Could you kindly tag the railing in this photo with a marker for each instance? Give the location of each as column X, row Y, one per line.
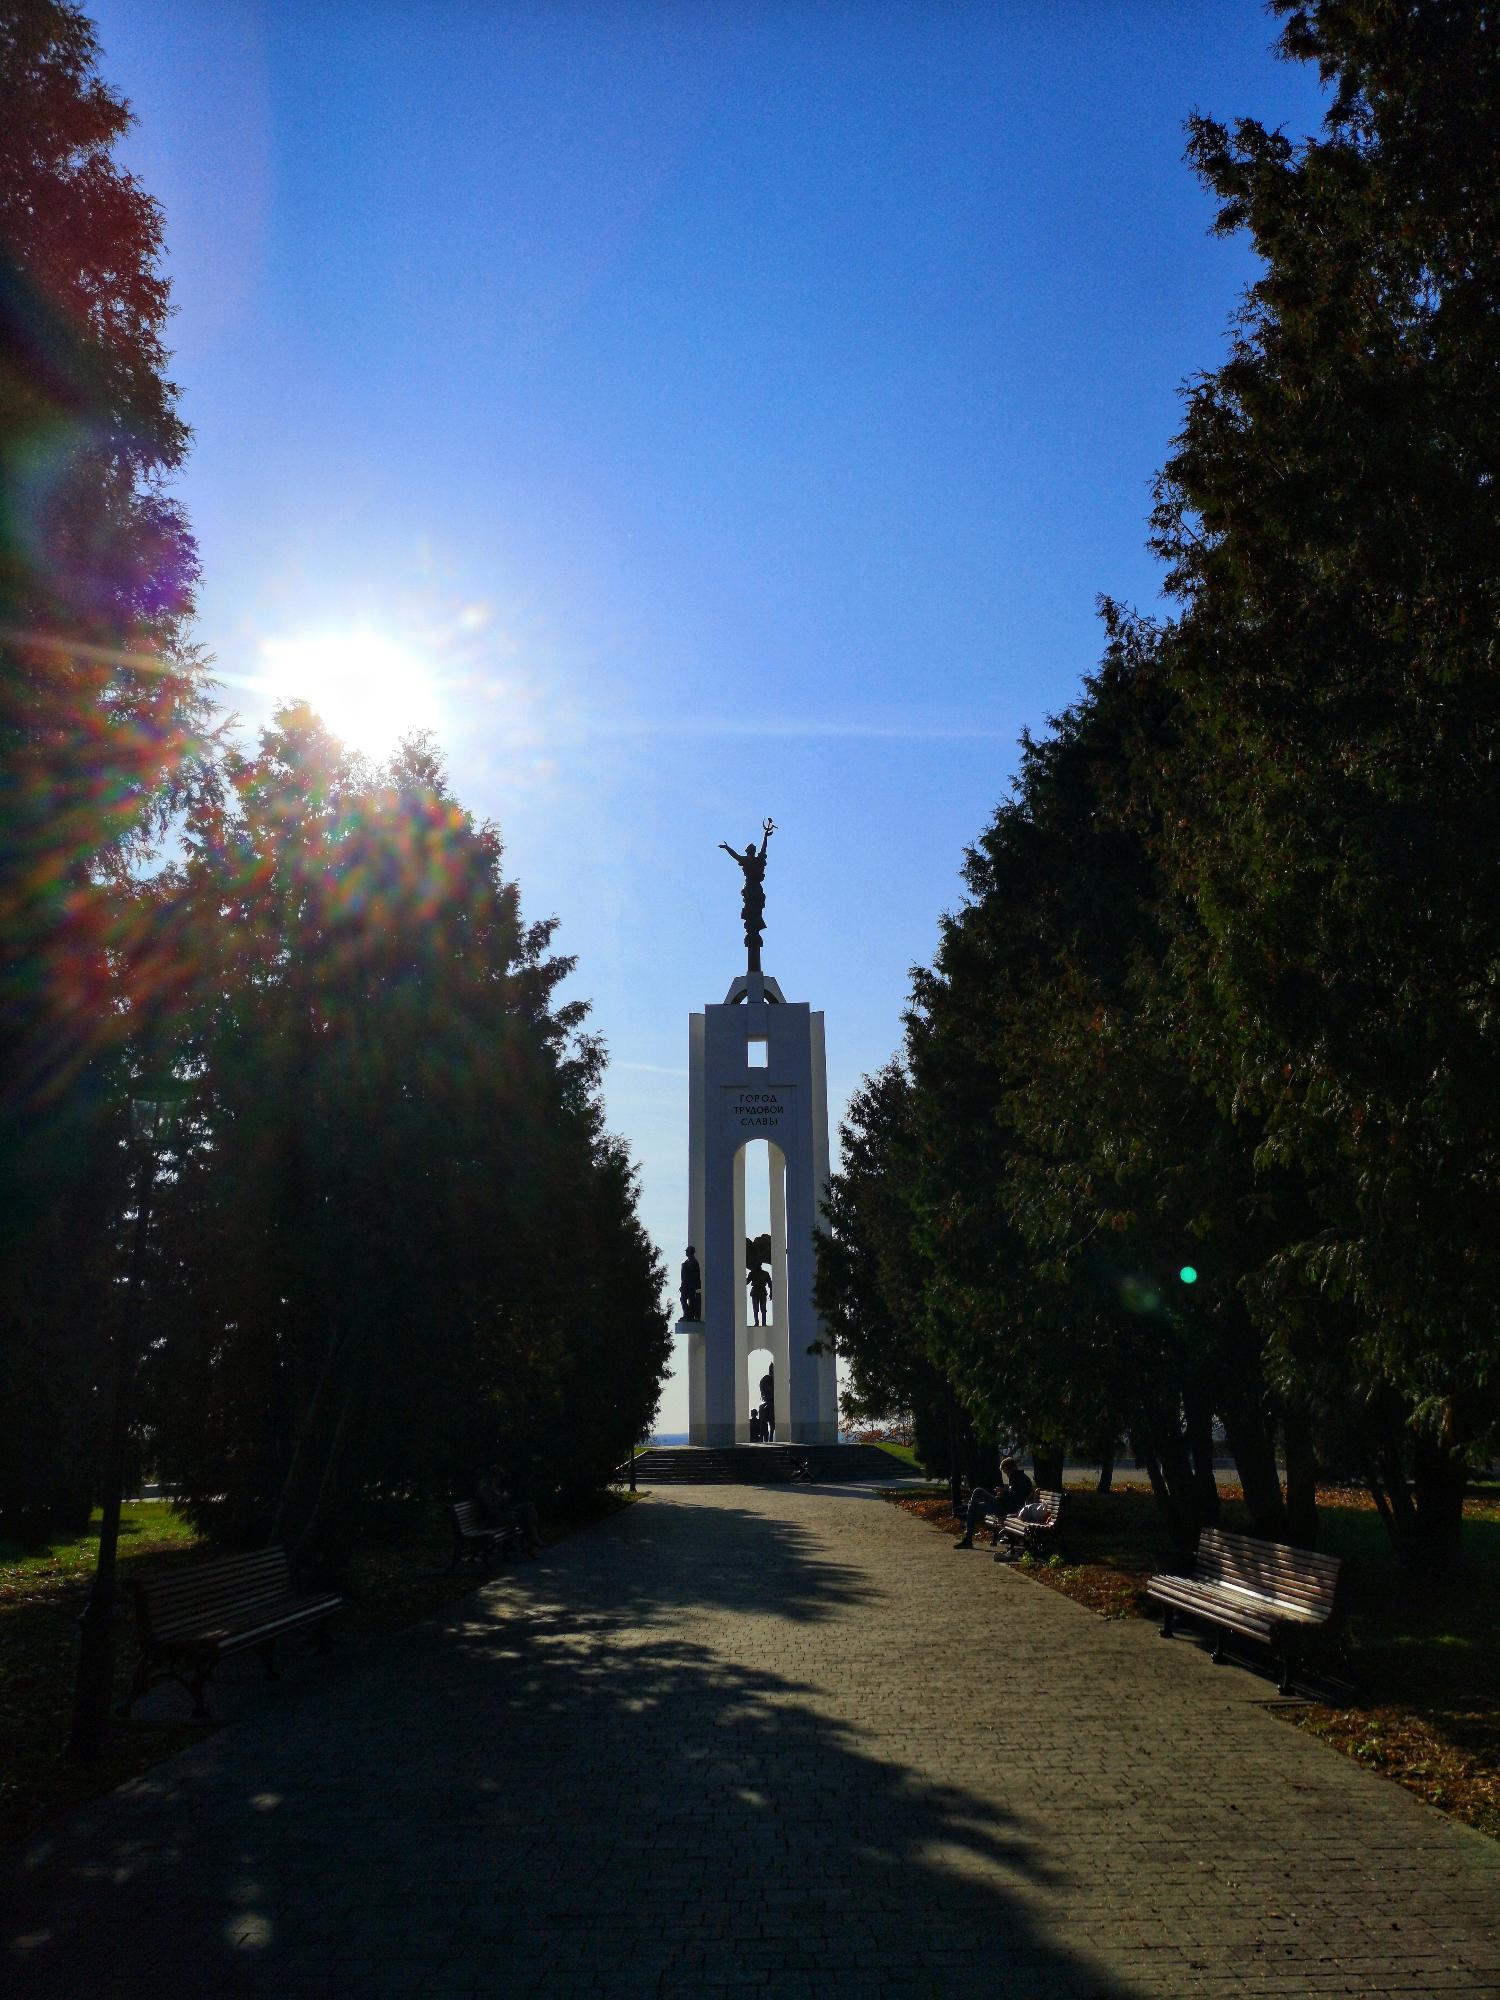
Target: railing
column 625, row 1470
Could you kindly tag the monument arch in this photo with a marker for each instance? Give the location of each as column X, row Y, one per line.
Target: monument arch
column 757, row 1070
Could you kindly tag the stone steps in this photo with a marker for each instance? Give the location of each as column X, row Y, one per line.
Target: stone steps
column 763, row 1464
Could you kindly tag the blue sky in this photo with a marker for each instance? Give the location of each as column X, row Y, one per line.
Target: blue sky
column 696, row 412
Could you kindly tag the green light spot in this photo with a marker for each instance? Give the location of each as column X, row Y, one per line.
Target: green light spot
column 1188, row 1275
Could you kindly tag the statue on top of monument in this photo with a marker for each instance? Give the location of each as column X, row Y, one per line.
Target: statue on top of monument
column 753, row 904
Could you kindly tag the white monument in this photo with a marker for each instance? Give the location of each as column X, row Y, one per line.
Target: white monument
column 756, row 1070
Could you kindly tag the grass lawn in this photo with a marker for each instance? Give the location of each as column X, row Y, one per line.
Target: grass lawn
column 1422, row 1651
column 41, row 1596
column 907, row 1453
column 403, row 1579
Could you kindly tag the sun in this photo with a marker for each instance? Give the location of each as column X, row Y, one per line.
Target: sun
column 368, row 687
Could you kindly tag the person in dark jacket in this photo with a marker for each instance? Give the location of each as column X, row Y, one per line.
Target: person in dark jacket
column 1015, row 1490
column 501, row 1509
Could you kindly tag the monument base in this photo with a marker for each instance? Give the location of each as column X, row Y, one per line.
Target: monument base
column 813, row 1433
column 792, row 1434
column 711, row 1434
column 710, row 1383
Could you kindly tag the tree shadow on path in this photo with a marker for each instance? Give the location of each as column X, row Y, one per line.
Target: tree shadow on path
column 573, row 1785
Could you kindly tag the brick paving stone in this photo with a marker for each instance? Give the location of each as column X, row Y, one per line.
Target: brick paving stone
column 759, row 1743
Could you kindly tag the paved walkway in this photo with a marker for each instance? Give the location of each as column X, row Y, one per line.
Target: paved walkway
column 761, row 1742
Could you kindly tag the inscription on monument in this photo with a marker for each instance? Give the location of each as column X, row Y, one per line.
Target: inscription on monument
column 759, row 1110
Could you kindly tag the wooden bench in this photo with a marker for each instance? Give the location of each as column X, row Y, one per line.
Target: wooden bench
column 476, row 1540
column 1034, row 1537
column 1261, row 1590
column 1038, row 1537
column 189, row 1619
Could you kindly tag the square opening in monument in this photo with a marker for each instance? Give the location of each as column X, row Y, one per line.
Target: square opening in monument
column 758, row 1052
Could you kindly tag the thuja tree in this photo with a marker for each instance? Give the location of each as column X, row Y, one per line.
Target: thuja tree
column 100, row 713
column 1331, row 515
column 1222, row 993
column 874, row 1283
column 1073, row 1159
column 398, row 1239
column 1016, row 1207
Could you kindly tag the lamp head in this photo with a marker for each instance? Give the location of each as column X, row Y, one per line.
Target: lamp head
column 155, row 1105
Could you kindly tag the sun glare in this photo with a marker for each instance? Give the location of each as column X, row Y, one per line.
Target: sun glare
column 369, row 688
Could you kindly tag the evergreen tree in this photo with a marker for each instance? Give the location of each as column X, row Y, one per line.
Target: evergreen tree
column 101, row 710
column 872, row 1282
column 1330, row 515
column 1222, row 992
column 1070, row 1157
column 397, row 1238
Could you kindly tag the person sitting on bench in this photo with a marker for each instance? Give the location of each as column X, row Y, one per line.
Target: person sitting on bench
column 1015, row 1491
column 501, row 1509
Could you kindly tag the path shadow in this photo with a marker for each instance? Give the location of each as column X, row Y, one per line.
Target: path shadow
column 564, row 1788
column 750, row 1561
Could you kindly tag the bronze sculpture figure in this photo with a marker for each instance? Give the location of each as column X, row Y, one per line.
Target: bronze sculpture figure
column 690, row 1290
column 757, row 1277
column 753, row 904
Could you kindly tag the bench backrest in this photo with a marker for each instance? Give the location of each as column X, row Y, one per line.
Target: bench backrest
column 1298, row 1577
column 468, row 1519
column 180, row 1603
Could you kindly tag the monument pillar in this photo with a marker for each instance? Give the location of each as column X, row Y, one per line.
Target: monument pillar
column 781, row 1096
column 757, row 1070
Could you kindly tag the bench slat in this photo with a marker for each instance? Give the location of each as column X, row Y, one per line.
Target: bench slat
column 230, row 1637
column 476, row 1539
column 204, row 1612
column 1264, row 1590
column 1248, row 1559
column 1254, row 1600
column 1050, row 1501
column 259, row 1578
column 1187, row 1596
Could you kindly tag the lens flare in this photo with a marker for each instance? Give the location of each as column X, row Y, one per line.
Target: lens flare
column 368, row 687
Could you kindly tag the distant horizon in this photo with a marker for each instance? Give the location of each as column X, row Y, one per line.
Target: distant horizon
column 683, row 1437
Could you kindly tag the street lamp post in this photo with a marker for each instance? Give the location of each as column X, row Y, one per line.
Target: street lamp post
column 153, row 1109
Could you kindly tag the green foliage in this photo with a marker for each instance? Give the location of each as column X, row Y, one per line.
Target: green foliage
column 396, row 1242
column 873, row 1282
column 392, row 1238
column 101, row 715
column 42, row 1593
column 870, row 1278
column 1222, row 993
column 1330, row 518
